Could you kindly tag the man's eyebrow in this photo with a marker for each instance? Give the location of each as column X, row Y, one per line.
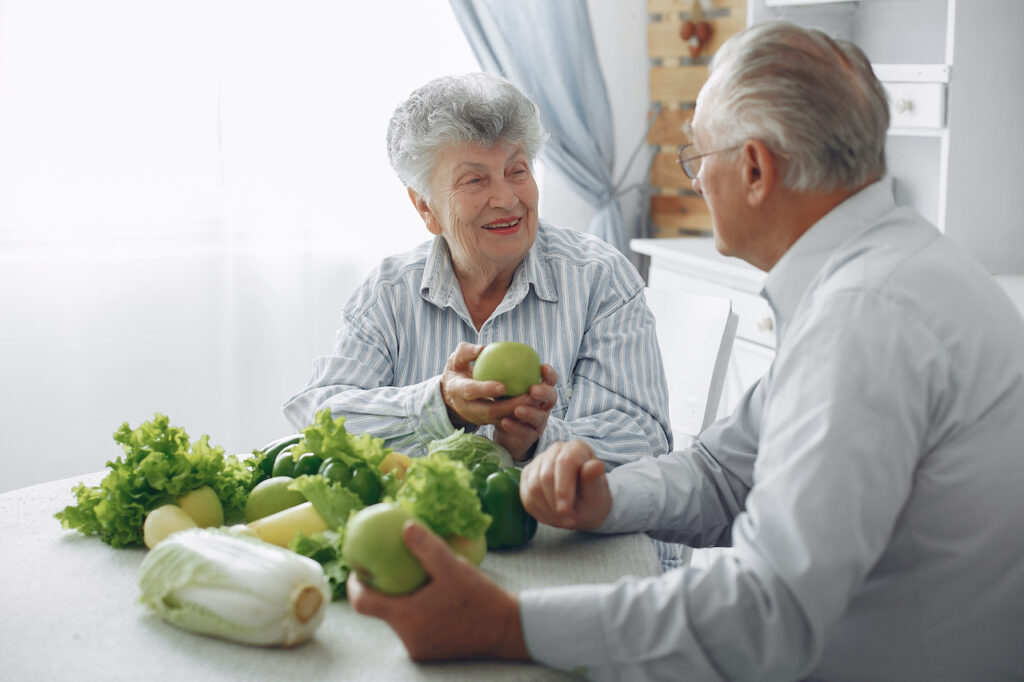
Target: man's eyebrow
column 687, row 128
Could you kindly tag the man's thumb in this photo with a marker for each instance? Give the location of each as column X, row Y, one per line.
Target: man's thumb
column 430, row 549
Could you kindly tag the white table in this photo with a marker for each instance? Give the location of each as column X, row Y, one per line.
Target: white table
column 68, row 609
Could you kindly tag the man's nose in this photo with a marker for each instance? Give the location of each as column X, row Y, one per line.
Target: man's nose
column 696, row 186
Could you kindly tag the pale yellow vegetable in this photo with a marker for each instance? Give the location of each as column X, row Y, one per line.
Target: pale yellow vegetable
column 395, row 461
column 203, row 505
column 279, row 529
column 162, row 522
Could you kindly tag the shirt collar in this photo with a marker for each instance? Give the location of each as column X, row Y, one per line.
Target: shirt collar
column 440, row 286
column 792, row 276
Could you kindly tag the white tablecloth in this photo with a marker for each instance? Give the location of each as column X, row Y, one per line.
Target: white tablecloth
column 68, row 609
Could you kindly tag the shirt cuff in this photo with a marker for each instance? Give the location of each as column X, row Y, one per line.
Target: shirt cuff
column 564, row 625
column 428, row 415
column 635, row 496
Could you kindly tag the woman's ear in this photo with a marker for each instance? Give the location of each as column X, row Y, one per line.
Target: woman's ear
column 760, row 171
column 423, row 208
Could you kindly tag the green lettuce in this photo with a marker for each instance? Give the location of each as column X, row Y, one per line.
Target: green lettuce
column 471, row 449
column 440, row 493
column 327, row 437
column 334, row 503
column 325, row 549
column 159, row 465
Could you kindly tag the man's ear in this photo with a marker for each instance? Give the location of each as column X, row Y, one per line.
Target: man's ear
column 426, row 213
column 760, row 171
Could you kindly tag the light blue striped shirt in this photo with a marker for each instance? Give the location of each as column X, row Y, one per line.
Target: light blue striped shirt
column 574, row 298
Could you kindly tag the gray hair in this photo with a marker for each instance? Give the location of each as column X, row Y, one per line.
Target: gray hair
column 811, row 99
column 475, row 107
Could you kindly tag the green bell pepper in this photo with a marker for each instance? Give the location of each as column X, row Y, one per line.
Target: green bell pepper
column 511, row 526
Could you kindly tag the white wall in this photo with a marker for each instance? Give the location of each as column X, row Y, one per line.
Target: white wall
column 215, row 316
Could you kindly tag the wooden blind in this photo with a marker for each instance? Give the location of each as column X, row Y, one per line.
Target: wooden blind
column 675, row 79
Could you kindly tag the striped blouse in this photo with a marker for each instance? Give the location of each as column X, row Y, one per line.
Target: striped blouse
column 574, row 298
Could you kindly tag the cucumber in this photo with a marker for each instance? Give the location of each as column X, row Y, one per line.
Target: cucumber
column 274, row 447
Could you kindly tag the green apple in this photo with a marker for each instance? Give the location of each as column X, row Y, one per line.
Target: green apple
column 514, row 364
column 271, row 496
column 375, row 549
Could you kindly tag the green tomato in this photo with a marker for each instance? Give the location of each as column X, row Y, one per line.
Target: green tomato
column 365, row 484
column 284, row 465
column 335, row 471
column 307, row 463
column 514, row 364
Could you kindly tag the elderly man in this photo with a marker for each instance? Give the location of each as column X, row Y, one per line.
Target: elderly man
column 401, row 367
column 868, row 488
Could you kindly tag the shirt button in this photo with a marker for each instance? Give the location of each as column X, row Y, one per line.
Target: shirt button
column 568, row 392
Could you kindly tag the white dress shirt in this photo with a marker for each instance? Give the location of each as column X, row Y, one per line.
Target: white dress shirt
column 870, row 488
column 575, row 299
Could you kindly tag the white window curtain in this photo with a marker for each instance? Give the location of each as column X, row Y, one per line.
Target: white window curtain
column 189, row 190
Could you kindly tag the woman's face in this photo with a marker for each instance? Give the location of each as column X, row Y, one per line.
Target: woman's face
column 484, row 204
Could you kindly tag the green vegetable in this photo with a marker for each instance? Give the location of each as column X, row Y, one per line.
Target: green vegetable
column 480, row 473
column 365, row 483
column 332, row 501
column 440, row 493
column 471, row 449
column 335, row 504
column 305, row 464
column 159, row 465
column 236, row 588
column 284, row 464
column 512, row 525
column 327, row 437
column 336, row 471
column 272, row 449
column 325, row 549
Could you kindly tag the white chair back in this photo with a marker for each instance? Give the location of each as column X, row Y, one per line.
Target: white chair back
column 695, row 333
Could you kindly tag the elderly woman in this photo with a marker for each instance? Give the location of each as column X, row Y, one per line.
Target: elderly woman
column 401, row 367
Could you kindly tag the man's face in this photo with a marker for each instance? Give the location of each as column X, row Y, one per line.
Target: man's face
column 484, row 204
column 719, row 182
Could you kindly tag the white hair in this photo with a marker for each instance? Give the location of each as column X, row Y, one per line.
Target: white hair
column 811, row 99
column 474, row 107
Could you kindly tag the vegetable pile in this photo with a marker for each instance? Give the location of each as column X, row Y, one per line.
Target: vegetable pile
column 304, row 493
column 159, row 466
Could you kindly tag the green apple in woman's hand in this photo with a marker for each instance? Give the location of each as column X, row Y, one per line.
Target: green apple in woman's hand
column 514, row 364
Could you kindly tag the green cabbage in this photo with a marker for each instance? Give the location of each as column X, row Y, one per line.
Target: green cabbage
column 471, row 449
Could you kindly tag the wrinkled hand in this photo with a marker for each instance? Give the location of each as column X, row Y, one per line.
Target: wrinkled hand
column 519, row 422
column 565, row 486
column 458, row 614
column 519, row 432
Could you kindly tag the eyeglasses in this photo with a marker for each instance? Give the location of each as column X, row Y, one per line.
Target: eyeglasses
column 691, row 164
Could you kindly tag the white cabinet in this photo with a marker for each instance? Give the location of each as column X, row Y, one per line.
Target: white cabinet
column 694, row 266
column 954, row 71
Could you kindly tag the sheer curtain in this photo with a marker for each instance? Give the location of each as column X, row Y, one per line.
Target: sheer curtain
column 188, row 192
